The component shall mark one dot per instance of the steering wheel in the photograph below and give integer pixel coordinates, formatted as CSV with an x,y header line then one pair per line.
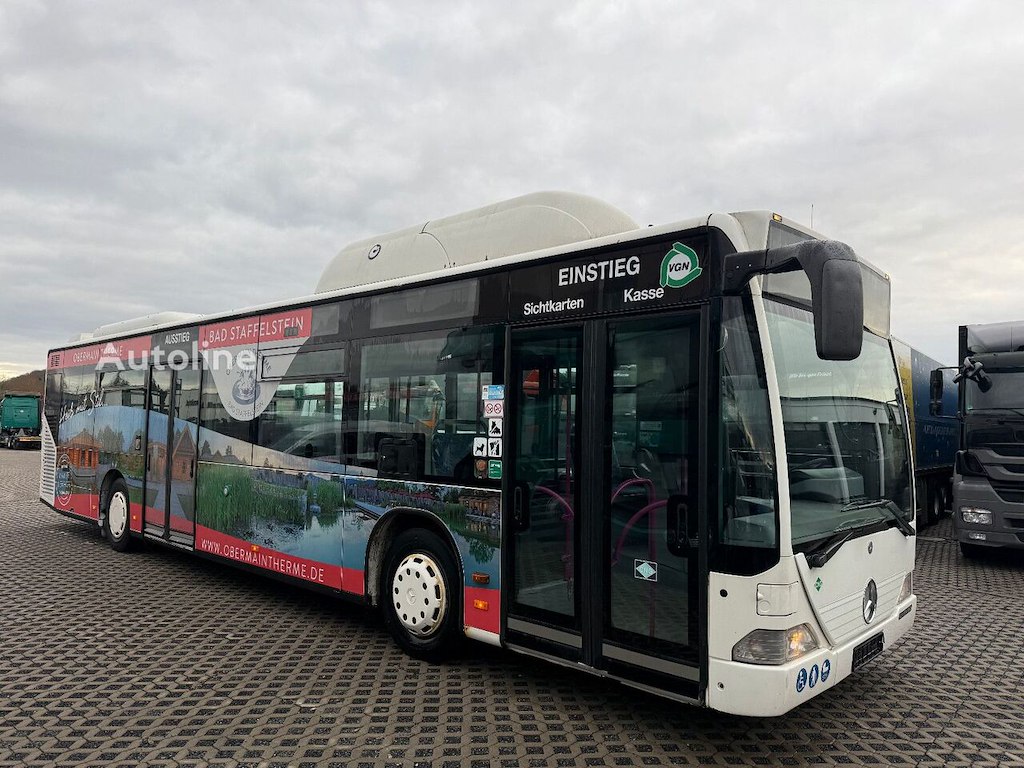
x,y
647,462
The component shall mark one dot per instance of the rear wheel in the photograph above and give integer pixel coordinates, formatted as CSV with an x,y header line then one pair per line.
x,y
116,517
421,595
972,551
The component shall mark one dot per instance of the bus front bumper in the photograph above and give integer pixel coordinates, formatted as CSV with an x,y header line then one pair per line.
x,y
768,691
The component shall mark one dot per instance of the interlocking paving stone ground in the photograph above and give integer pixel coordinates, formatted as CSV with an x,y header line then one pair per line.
x,y
157,658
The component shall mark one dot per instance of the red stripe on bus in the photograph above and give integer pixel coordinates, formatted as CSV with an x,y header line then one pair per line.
x,y
181,524
220,544
294,324
135,523
85,505
156,516
120,349
487,619
353,580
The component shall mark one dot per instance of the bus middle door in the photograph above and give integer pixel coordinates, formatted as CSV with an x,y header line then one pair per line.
x,y
171,455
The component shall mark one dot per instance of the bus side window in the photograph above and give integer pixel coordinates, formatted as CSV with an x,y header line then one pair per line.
x,y
420,404
303,419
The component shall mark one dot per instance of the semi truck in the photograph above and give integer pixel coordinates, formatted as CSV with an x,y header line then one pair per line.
x,y
988,476
934,432
19,421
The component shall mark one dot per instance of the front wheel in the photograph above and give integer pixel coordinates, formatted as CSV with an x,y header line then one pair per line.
x,y
421,595
936,504
117,514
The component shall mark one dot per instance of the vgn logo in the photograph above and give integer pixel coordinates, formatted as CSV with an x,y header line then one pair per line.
x,y
679,267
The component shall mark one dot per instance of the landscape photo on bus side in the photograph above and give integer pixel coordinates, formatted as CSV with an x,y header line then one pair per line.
x,y
306,515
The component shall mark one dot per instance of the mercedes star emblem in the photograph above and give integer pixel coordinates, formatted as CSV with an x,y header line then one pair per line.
x,y
870,601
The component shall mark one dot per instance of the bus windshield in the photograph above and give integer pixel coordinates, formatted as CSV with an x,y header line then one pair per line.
x,y
846,440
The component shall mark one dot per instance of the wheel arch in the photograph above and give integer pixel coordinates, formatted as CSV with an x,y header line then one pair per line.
x,y
390,525
109,478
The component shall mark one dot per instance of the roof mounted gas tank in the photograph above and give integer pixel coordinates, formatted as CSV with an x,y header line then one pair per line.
x,y
523,224
136,324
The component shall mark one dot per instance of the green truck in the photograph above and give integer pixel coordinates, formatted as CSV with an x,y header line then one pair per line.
x,y
19,421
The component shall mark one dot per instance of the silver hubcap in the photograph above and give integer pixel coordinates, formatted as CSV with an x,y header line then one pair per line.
x,y
117,515
417,591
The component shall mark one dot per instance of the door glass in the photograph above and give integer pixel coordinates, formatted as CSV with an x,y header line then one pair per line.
x,y
545,469
156,448
651,461
183,452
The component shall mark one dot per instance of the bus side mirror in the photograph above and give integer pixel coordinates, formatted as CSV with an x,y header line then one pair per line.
x,y
935,393
837,289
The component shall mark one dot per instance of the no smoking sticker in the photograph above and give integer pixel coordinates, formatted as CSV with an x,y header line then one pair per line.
x,y
494,409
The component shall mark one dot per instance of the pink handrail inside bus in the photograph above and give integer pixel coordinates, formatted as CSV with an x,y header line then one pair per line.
x,y
644,481
652,543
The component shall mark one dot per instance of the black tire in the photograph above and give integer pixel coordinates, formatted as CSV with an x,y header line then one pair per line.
x,y
118,532
972,551
936,504
429,567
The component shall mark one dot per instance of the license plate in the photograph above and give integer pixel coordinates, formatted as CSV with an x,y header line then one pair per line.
x,y
867,650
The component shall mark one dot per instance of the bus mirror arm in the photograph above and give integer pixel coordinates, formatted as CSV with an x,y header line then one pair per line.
x,y
837,290
974,370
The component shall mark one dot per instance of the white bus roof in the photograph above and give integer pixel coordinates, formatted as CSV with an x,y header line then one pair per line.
x,y
560,214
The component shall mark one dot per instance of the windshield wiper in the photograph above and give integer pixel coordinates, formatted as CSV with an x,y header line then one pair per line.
x,y
887,506
824,551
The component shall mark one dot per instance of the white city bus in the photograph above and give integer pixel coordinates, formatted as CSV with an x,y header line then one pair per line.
x,y
674,456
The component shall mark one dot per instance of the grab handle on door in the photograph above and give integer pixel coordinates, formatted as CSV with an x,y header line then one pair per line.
x,y
520,514
679,519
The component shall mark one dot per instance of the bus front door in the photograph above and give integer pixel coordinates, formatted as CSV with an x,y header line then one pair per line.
x,y
171,455
604,426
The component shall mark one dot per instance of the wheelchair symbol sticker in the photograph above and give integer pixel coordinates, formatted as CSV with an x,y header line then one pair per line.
x,y
801,680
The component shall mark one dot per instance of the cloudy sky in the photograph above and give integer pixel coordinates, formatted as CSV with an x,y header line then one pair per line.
x,y
201,156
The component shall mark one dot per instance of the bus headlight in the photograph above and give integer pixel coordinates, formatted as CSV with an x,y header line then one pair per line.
x,y
775,646
976,516
908,587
